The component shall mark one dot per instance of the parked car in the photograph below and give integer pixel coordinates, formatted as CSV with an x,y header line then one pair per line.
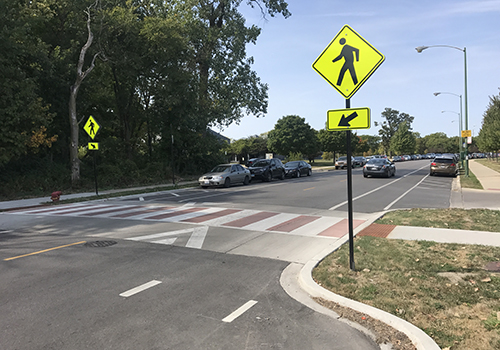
x,y
252,161
379,167
225,175
342,162
297,168
361,161
267,169
397,159
443,165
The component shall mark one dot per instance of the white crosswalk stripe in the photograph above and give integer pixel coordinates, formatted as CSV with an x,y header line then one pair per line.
x,y
244,219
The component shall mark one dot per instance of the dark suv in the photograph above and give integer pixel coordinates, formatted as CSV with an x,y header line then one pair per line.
x,y
267,169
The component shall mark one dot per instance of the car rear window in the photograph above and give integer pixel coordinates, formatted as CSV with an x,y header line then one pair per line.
x,y
261,163
443,160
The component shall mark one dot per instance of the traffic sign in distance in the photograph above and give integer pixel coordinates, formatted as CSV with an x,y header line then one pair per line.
x,y
93,146
466,133
348,119
348,61
91,127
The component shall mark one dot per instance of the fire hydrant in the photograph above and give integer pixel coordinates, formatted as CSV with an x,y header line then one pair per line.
x,y
55,196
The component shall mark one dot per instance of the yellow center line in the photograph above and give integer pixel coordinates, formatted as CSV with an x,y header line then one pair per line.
x,y
307,189
43,251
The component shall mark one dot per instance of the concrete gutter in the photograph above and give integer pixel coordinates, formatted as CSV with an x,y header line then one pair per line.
x,y
418,337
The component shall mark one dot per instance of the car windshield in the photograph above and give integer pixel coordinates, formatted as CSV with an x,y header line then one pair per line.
x,y
261,163
343,158
376,161
292,164
358,158
221,169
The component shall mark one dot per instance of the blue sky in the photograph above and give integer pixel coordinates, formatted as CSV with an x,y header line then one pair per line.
x,y
406,81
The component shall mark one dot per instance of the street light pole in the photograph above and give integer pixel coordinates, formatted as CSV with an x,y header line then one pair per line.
x,y
459,131
460,126
464,50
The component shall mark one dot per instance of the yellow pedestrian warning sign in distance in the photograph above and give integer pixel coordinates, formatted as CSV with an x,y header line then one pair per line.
x,y
466,133
91,127
348,119
348,61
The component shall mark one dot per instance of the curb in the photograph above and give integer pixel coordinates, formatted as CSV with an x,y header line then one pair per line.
x,y
418,337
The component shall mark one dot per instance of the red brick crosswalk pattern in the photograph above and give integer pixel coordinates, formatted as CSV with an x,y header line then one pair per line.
x,y
255,220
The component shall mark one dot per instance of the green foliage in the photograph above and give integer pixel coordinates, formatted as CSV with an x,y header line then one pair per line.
x,y
390,125
170,70
292,134
336,141
489,135
403,141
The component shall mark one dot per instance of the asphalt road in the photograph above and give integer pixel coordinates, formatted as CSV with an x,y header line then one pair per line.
x,y
199,256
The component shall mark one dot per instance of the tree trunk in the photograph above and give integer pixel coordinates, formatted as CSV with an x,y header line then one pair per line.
x,y
73,120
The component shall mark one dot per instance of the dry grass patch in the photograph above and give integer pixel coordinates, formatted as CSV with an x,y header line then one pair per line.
x,y
464,219
405,278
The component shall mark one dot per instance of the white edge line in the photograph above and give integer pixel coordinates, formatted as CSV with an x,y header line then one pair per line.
x,y
240,311
376,189
140,288
404,194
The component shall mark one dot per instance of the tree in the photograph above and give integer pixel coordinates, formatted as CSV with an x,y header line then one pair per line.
x,y
403,141
368,144
489,135
24,114
80,76
336,141
292,134
228,88
390,125
437,142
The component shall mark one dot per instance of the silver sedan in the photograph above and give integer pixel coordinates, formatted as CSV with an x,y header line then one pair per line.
x,y
225,175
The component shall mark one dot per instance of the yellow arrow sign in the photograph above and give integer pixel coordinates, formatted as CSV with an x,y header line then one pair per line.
x,y
348,61
91,127
348,119
93,146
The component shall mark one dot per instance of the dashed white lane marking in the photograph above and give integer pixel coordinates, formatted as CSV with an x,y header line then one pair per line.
x,y
140,288
240,311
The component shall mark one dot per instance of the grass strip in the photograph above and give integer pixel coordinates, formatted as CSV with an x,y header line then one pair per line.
x,y
453,218
443,289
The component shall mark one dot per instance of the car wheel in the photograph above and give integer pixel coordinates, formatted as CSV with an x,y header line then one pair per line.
x,y
364,175
336,168
246,181
431,174
298,174
204,186
227,182
282,177
388,175
394,173
310,172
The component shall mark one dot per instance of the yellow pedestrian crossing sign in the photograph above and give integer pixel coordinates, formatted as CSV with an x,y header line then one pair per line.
x,y
348,119
348,61
91,127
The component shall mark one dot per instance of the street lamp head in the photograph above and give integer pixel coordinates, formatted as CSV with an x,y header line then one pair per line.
x,y
437,93
421,48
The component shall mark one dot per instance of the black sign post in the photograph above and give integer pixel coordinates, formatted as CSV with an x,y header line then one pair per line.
x,y
349,194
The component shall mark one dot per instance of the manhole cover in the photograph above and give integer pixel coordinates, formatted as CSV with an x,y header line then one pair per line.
x,y
493,266
99,244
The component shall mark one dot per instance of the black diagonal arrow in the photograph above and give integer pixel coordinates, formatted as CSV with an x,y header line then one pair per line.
x,y
345,121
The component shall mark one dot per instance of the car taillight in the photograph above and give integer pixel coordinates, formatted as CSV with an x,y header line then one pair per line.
x,y
452,164
433,164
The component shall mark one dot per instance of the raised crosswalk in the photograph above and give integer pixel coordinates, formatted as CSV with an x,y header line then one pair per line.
x,y
240,219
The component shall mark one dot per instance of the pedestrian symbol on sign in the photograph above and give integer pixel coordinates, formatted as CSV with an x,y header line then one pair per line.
x,y
348,52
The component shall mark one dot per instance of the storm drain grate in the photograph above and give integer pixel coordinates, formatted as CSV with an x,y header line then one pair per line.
x,y
99,244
